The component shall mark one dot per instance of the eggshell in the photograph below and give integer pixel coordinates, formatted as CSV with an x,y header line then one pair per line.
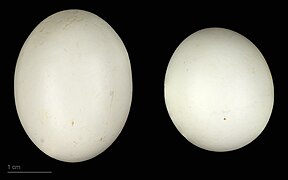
x,y
73,85
218,90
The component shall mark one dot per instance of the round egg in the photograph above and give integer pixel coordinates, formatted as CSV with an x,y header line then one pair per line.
x,y
73,85
218,90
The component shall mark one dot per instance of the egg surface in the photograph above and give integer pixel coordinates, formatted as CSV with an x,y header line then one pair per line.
x,y
73,85
218,90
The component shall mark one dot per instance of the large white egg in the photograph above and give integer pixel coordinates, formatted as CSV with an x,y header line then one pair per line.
x,y
73,85
218,90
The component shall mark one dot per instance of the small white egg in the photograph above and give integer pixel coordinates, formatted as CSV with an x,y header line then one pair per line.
x,y
73,85
218,90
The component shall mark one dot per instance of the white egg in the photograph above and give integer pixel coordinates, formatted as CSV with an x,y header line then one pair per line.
x,y
73,85
218,90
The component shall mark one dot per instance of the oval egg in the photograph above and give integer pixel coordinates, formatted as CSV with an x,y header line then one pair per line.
x,y
218,90
73,85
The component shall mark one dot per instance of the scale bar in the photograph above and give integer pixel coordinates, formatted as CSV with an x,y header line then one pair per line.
x,y
26,172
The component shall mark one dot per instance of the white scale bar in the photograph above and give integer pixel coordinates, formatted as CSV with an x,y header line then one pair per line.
x,y
19,172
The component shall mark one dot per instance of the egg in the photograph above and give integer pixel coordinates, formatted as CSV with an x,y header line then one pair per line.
x,y
218,90
73,85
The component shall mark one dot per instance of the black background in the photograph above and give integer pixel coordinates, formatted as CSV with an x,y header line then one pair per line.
x,y
149,144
